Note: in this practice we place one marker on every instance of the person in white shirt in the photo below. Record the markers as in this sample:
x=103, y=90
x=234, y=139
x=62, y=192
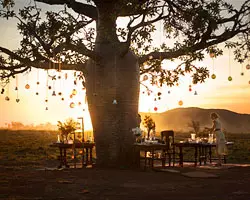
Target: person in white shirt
x=220, y=137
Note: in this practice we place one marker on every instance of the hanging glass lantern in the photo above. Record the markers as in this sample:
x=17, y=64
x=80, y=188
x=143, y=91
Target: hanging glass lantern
x=213, y=76
x=180, y=103
x=212, y=54
x=248, y=66
x=114, y=101
x=155, y=109
x=230, y=78
x=72, y=105
x=7, y=98
x=74, y=92
x=17, y=100
x=27, y=86
x=145, y=77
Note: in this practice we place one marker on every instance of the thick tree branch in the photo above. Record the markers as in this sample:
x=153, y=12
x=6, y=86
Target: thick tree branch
x=25, y=64
x=81, y=8
x=185, y=50
x=79, y=48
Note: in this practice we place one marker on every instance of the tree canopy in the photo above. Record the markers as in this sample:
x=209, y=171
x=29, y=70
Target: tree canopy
x=67, y=38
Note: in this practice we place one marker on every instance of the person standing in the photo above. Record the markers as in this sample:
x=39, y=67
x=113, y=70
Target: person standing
x=220, y=137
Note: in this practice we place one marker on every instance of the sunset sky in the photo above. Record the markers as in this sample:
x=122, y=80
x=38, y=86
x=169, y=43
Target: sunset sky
x=214, y=93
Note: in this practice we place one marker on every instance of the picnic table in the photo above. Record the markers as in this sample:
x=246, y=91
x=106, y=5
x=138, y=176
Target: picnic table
x=87, y=152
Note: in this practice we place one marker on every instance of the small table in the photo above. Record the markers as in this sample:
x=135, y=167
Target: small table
x=208, y=146
x=182, y=145
x=147, y=147
x=200, y=148
x=86, y=159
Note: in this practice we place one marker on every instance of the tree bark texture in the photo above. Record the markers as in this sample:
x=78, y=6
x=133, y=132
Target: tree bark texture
x=113, y=78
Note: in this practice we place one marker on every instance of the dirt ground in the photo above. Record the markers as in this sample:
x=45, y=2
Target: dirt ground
x=230, y=182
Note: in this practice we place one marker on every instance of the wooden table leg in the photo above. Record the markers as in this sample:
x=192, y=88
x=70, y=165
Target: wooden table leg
x=83, y=157
x=195, y=156
x=205, y=155
x=181, y=156
x=200, y=154
x=87, y=156
x=210, y=154
x=65, y=158
x=145, y=162
x=152, y=164
x=90, y=156
x=61, y=158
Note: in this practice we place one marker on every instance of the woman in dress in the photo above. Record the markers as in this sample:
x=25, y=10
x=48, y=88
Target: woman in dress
x=220, y=137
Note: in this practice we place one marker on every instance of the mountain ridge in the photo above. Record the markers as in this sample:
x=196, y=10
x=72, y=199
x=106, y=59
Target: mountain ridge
x=178, y=119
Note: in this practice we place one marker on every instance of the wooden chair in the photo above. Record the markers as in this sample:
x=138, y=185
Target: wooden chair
x=167, y=137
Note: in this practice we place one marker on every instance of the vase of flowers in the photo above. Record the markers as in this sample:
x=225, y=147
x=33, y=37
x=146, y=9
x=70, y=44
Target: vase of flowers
x=66, y=128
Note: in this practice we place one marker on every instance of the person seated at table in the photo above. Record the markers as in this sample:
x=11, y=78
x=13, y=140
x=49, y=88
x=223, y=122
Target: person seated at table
x=220, y=137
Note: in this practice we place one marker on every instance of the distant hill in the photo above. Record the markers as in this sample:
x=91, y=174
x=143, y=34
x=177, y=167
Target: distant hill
x=178, y=119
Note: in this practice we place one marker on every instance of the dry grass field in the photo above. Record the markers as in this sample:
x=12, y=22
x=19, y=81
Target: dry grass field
x=25, y=155
x=32, y=147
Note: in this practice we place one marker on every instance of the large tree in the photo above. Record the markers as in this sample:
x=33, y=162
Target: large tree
x=112, y=58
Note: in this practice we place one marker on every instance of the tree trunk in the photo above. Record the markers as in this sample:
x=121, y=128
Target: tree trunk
x=110, y=80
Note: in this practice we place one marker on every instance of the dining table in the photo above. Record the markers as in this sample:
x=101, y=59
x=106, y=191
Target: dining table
x=202, y=151
x=149, y=152
x=87, y=152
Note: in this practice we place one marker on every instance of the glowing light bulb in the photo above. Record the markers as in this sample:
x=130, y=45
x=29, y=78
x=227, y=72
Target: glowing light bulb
x=72, y=105
x=74, y=92
x=180, y=103
x=27, y=86
x=212, y=55
x=145, y=77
